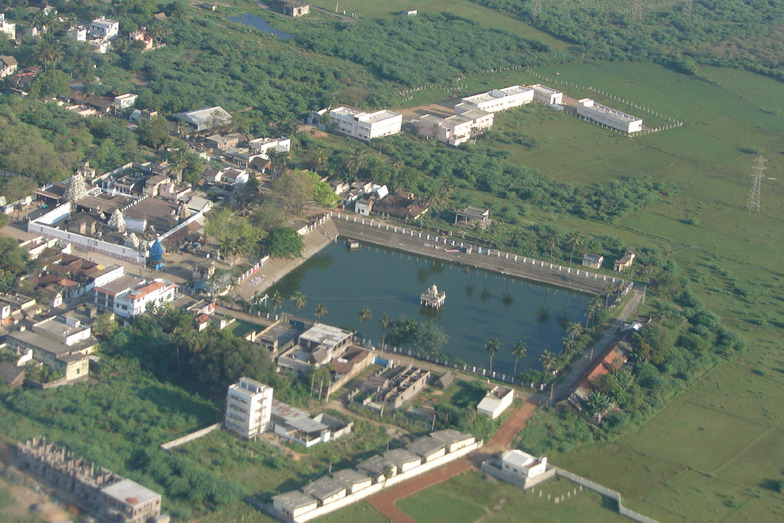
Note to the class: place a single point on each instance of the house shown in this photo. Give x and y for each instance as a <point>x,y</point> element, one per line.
<point>522,464</point>
<point>364,205</point>
<point>427,448</point>
<point>265,145</point>
<point>222,142</point>
<point>11,374</point>
<point>293,504</point>
<point>452,439</point>
<point>501,99</point>
<point>125,101</point>
<point>612,356</point>
<point>473,217</point>
<point>248,408</point>
<point>234,176</point>
<point>293,8</point>
<point>365,126</point>
<point>377,468</point>
<point>402,205</point>
<point>625,262</point>
<point>128,296</point>
<point>298,426</point>
<point>352,362</point>
<point>495,402</point>
<point>78,33</point>
<point>129,501</point>
<point>60,343</point>
<point>458,129</point>
<point>145,40</point>
<point>325,490</point>
<point>352,480</point>
<point>204,119</point>
<point>103,29</point>
<point>608,116</point>
<point>8,65</point>
<point>594,261</point>
<point>7,27</point>
<point>547,95</point>
<point>404,460</point>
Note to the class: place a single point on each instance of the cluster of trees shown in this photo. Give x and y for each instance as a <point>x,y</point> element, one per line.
<point>14,263</point>
<point>682,340</point>
<point>679,34</point>
<point>429,48</point>
<point>423,336</point>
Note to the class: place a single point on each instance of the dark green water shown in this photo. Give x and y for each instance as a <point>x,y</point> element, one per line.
<point>479,304</point>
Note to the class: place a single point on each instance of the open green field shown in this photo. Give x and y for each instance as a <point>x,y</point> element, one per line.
<point>715,452</point>
<point>464,8</point>
<point>475,496</point>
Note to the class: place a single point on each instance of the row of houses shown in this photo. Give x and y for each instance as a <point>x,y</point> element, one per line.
<point>343,487</point>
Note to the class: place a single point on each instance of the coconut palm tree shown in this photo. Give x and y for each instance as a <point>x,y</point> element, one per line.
<point>518,351</point>
<point>277,300</point>
<point>491,348</point>
<point>355,162</point>
<point>385,321</point>
<point>48,52</point>
<point>574,240</point>
<point>319,159</point>
<point>548,361</point>
<point>320,311</point>
<point>299,300</point>
<point>365,314</point>
<point>598,403</point>
<point>575,330</point>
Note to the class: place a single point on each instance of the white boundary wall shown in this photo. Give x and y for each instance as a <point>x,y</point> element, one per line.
<point>374,489</point>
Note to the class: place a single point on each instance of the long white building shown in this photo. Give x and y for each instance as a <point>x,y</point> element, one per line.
<point>248,408</point>
<point>608,116</point>
<point>467,123</point>
<point>501,99</point>
<point>547,95</point>
<point>128,296</point>
<point>365,126</point>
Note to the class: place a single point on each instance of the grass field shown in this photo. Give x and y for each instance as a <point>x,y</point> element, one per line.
<point>464,8</point>
<point>474,496</point>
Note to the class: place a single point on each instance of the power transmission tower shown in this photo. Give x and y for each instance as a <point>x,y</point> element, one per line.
<point>537,8</point>
<point>753,203</point>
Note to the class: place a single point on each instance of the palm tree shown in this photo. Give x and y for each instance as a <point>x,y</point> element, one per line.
<point>355,162</point>
<point>277,300</point>
<point>491,348</point>
<point>299,300</point>
<point>518,351</point>
<point>385,321</point>
<point>319,159</point>
<point>548,361</point>
<point>598,403</point>
<point>365,314</point>
<point>575,330</point>
<point>320,311</point>
<point>574,240</point>
<point>48,52</point>
<point>568,345</point>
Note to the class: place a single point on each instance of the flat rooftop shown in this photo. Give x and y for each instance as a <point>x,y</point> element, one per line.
<point>496,94</point>
<point>322,334</point>
<point>544,89</point>
<point>130,492</point>
<point>348,477</point>
<point>51,346</point>
<point>425,446</point>
<point>620,115</point>
<point>323,488</point>
<point>160,214</point>
<point>294,500</point>
<point>58,326</point>
<point>121,284</point>
<point>378,116</point>
<point>448,436</point>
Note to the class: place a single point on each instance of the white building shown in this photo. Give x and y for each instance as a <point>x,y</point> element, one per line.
<point>104,29</point>
<point>7,27</point>
<point>501,99</point>
<point>495,402</point>
<point>547,95</point>
<point>78,33</point>
<point>124,101</point>
<point>264,145</point>
<point>365,126</point>
<point>8,66</point>
<point>609,116</point>
<point>468,122</point>
<point>248,408</point>
<point>128,296</point>
<point>522,464</point>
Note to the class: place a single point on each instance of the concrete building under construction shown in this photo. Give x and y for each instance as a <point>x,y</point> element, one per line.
<point>104,494</point>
